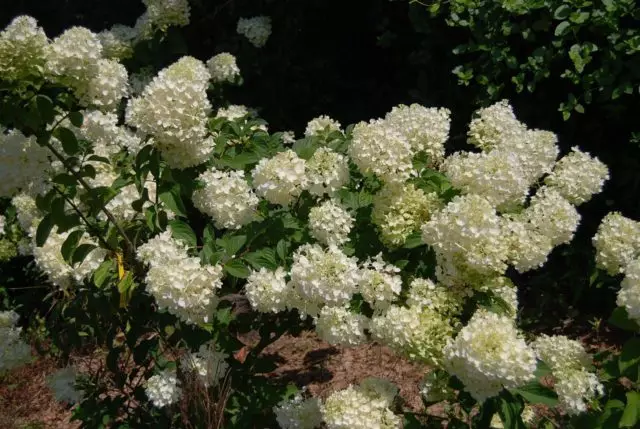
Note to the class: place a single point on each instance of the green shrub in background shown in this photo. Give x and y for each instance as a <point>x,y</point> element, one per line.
<point>590,49</point>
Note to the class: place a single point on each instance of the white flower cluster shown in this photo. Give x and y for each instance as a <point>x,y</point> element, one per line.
<point>617,242</point>
<point>223,68</point>
<point>257,29</point>
<point>280,179</point>
<point>493,125</point>
<point>62,384</point>
<point>400,209</point>
<point>173,109</point>
<point>23,46</point>
<point>380,149</point>
<point>178,282</point>
<point>418,333</point>
<point>3,222</point>
<point>513,158</point>
<point>552,215</point>
<point>27,212</point>
<point>358,408</point>
<point>232,112</point>
<point>13,350</point>
<point>298,413</point>
<point>163,389</point>
<point>75,59</point>
<point>578,176</point>
<point>528,249</point>
<point>50,260</point>
<point>327,172</point>
<point>267,290</point>
<point>227,198</point>
<point>322,277</point>
<point>424,293</point>
<point>117,43</point>
<point>23,163</point>
<point>489,354</point>
<point>426,129</point>
<point>288,137</point>
<point>107,87</point>
<point>495,175</point>
<point>340,326</point>
<point>167,13</point>
<point>629,294</point>
<point>321,124</point>
<point>469,227</point>
<point>380,283</point>
<point>569,361</point>
<point>208,364</point>
<point>330,223</point>
<point>103,131</point>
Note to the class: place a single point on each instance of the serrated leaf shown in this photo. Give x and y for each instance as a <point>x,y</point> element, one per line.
<point>232,244</point>
<point>81,253</point>
<point>631,413</point>
<point>45,108</point>
<point>182,231</point>
<point>70,244</point>
<point>68,139</point>
<point>173,201</point>
<point>562,12</point>
<point>76,119</point>
<point>562,28</point>
<point>126,287</point>
<point>413,241</point>
<point>536,393</point>
<point>237,268</point>
<point>102,274</point>
<point>620,319</point>
<point>44,229</point>
<point>630,358</point>
<point>263,258</point>
<point>282,249</point>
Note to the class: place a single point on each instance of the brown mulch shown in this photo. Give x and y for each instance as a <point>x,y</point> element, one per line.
<point>27,403</point>
<point>308,361</point>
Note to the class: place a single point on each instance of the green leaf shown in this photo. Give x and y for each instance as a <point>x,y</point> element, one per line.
<point>536,393</point>
<point>44,229</point>
<point>64,179</point>
<point>562,12</point>
<point>562,28</point>
<point>237,268</point>
<point>173,200</point>
<point>631,411</point>
<point>630,358</point>
<point>510,410</point>
<point>282,248</point>
<point>620,319</point>
<point>413,241</point>
<point>70,244</point>
<point>76,119</point>
<point>68,139</point>
<point>81,252</point>
<point>181,231</point>
<point>126,287</point>
<point>263,258</point>
<point>45,108</point>
<point>232,244</point>
<point>104,271</point>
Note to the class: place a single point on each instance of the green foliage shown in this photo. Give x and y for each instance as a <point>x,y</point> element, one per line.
<point>593,46</point>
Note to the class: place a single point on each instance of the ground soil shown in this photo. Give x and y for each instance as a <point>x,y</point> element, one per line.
<point>27,403</point>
